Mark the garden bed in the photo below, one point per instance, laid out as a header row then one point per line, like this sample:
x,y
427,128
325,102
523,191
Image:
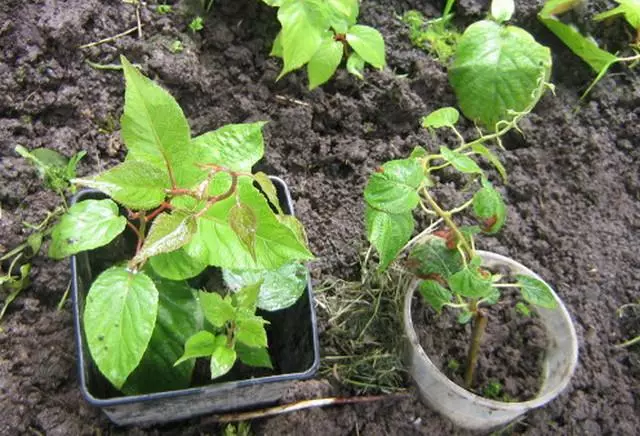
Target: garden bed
x,y
573,191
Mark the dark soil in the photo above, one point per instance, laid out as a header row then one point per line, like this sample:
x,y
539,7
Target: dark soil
x,y
573,192
510,361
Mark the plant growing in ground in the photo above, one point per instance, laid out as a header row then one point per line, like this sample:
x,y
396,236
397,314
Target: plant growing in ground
x,y
56,171
320,34
437,36
190,203
585,47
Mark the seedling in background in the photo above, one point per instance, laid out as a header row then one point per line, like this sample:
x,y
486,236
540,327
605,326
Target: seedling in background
x,y
197,24
164,9
437,36
586,48
56,171
191,203
320,34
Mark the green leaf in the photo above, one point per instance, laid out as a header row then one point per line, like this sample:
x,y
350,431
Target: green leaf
x,y
433,258
235,146
250,331
119,319
586,48
470,283
244,224
435,294
303,26
168,232
52,166
489,207
134,184
502,10
201,344
393,187
523,309
279,289
153,126
324,62
295,226
629,8
418,152
443,117
87,225
368,43
388,233
217,244
216,309
355,65
464,317
276,49
179,317
343,14
222,358
176,265
536,292
247,296
268,188
254,356
503,65
461,162
492,158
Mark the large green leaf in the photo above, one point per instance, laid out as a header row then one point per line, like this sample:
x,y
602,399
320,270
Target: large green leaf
x,y
244,223
179,317
432,259
368,43
168,232
280,288
536,292
629,8
119,319
87,225
388,232
135,184
153,125
303,26
324,62
343,14
497,69
393,187
216,243
176,265
234,146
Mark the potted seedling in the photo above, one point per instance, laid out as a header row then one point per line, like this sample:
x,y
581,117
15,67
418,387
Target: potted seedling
x,y
451,274
147,299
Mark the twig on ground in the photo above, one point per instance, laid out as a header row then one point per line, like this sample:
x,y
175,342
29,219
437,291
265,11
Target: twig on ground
x,y
112,38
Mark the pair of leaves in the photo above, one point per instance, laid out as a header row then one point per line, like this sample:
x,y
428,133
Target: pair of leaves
x,y
498,71
391,194
314,32
249,338
489,207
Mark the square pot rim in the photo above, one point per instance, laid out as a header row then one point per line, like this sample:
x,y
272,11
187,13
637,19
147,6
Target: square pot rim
x,y
82,356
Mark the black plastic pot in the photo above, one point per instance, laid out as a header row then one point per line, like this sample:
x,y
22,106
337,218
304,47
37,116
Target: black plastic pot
x,y
293,346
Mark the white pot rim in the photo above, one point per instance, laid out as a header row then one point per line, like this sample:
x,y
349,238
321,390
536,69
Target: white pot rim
x,y
516,407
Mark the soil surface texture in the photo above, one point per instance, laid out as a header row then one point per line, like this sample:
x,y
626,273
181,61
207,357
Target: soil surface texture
x,y
573,191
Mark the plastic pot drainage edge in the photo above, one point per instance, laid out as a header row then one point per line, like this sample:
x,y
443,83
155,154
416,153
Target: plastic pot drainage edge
x,y
169,406
472,411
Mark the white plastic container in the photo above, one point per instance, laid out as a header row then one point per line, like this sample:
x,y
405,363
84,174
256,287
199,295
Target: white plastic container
x,y
474,412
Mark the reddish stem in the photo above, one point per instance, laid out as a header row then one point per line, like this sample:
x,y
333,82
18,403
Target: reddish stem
x,y
164,206
138,234
216,198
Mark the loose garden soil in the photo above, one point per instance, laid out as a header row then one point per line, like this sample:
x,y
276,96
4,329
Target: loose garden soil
x,y
574,214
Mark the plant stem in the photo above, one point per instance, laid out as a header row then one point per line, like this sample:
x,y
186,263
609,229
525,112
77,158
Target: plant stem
x,y
446,217
213,200
109,39
479,326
